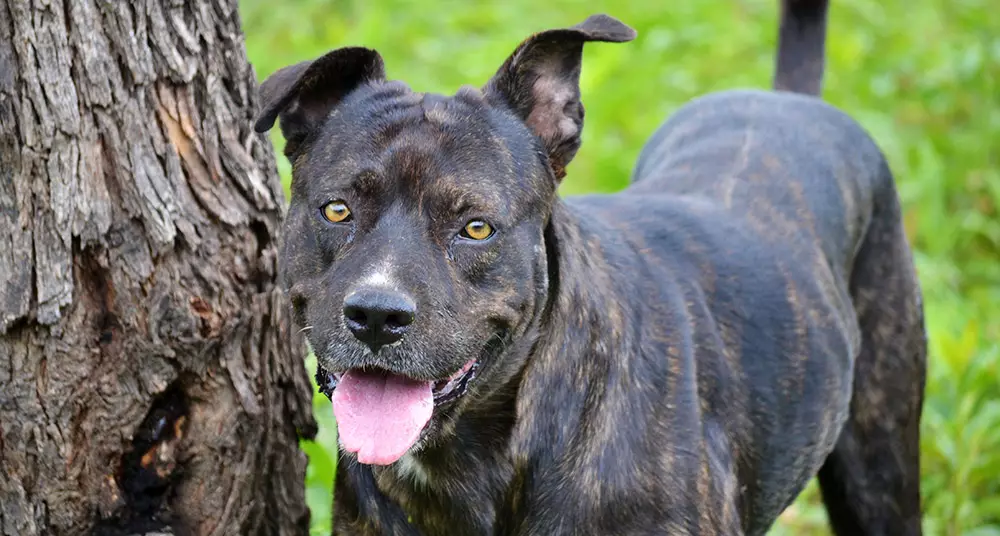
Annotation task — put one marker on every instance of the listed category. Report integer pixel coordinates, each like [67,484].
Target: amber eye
[477,230]
[336,212]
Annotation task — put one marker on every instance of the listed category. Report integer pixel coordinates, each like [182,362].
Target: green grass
[923,77]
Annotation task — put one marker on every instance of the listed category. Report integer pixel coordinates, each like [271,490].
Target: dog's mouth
[380,415]
[444,391]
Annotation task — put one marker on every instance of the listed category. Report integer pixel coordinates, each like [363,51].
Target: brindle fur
[677,358]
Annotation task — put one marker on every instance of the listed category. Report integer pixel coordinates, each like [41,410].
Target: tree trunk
[149,381]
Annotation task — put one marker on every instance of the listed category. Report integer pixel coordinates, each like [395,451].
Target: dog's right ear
[304,94]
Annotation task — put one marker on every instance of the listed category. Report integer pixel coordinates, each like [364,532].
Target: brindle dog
[680,357]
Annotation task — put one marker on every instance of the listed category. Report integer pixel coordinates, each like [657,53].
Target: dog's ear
[303,95]
[540,82]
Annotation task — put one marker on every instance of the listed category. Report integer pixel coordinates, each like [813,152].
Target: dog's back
[785,213]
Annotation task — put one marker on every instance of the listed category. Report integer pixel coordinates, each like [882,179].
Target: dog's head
[414,246]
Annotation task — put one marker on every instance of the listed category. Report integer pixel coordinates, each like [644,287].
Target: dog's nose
[378,317]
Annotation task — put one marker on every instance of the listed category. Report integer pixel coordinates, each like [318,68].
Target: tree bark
[149,378]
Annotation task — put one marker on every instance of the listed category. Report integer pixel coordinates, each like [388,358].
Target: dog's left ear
[540,82]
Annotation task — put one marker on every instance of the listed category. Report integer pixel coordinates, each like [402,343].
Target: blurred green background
[922,77]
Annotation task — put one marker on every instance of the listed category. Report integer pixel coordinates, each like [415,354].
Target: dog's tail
[801,46]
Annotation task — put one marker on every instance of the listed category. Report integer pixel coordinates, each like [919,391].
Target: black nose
[378,317]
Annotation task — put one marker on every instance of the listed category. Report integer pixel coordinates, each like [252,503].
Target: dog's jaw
[445,390]
[402,411]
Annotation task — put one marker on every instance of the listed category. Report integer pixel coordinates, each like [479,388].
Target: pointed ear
[540,83]
[304,94]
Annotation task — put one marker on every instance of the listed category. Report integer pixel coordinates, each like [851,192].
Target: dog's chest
[447,501]
[410,469]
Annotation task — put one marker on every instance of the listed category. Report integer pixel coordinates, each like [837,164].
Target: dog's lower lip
[456,385]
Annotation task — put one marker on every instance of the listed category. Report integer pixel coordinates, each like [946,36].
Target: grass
[922,77]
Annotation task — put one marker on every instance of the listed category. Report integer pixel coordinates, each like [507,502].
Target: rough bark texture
[149,381]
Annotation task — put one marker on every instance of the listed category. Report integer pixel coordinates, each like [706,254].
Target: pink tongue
[380,416]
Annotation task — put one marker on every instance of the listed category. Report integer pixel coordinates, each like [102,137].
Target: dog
[680,357]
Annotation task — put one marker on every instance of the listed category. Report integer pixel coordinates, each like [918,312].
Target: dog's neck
[585,297]
[583,327]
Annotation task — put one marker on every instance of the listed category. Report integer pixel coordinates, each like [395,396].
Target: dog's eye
[477,230]
[336,212]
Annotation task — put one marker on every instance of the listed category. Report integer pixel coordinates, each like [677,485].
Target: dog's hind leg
[871,481]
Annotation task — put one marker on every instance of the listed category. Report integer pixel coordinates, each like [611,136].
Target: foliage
[922,77]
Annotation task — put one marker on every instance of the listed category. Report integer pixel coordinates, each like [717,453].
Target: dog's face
[414,248]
